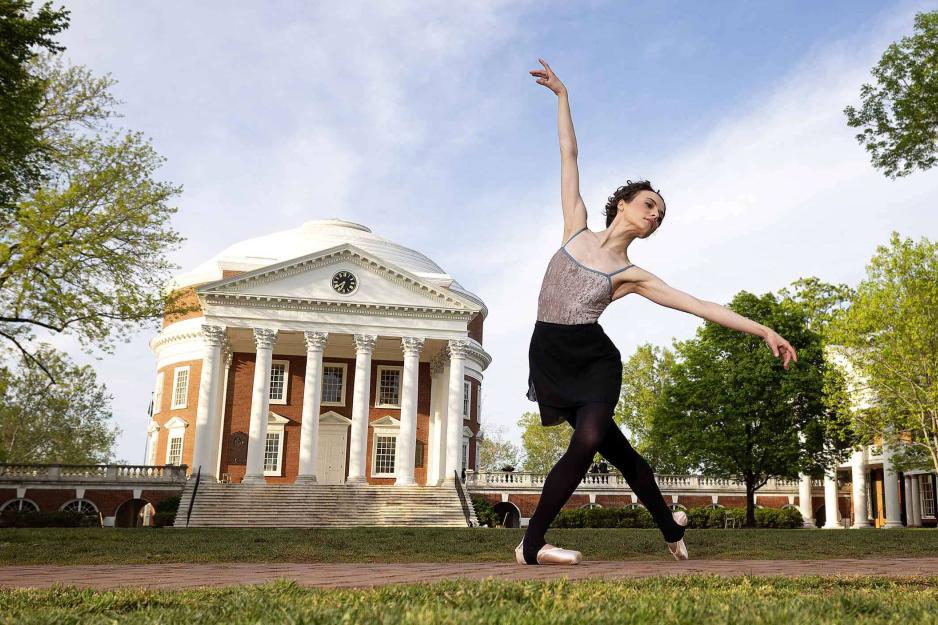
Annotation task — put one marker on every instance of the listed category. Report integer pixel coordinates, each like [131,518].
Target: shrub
[166,509]
[61,518]
[485,512]
[699,518]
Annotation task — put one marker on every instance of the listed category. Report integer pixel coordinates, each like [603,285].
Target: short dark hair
[626,192]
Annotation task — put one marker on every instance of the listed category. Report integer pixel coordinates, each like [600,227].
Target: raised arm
[574,210]
[655,289]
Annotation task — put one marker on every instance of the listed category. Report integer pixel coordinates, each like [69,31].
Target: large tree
[86,253]
[22,34]
[68,422]
[899,114]
[731,410]
[496,451]
[543,446]
[890,337]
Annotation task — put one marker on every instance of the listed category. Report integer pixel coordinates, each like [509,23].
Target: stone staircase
[322,505]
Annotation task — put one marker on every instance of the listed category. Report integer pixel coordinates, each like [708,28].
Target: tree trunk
[750,501]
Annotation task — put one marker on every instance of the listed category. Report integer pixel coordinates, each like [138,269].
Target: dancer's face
[644,212]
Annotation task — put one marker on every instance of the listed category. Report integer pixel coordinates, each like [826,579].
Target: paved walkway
[174,576]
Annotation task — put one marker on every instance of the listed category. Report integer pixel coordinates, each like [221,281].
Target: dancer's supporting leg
[592,421]
[637,472]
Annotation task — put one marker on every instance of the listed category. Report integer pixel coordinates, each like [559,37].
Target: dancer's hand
[777,344]
[548,78]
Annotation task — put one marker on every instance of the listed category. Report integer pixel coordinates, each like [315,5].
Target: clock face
[344,282]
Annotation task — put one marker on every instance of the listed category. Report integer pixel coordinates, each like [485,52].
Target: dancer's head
[640,205]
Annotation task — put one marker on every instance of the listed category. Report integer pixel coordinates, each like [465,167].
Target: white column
[805,505]
[890,491]
[831,510]
[153,431]
[907,492]
[264,339]
[361,400]
[406,447]
[858,468]
[457,367]
[213,338]
[220,401]
[436,435]
[312,400]
[916,502]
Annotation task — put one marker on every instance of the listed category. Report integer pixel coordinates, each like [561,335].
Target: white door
[330,459]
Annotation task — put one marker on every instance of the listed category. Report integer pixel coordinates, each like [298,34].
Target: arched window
[20,505]
[590,506]
[81,506]
[674,507]
[714,506]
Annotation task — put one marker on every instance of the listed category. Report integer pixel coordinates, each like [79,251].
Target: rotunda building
[320,354]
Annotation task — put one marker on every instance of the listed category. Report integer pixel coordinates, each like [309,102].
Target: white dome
[313,236]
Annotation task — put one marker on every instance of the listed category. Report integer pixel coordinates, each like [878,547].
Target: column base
[832,527]
[306,479]
[253,479]
[356,479]
[862,525]
[809,524]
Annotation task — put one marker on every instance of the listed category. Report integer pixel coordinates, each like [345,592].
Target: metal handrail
[462,499]
[195,489]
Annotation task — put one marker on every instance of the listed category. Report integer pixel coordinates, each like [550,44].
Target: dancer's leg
[592,421]
[637,472]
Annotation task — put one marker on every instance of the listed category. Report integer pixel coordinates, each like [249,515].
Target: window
[180,386]
[279,373]
[479,404]
[389,387]
[465,454]
[466,389]
[158,393]
[273,453]
[20,505]
[333,385]
[384,455]
[174,449]
[927,490]
[81,506]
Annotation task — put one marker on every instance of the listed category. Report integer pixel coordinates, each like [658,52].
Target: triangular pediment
[387,421]
[275,419]
[334,417]
[374,282]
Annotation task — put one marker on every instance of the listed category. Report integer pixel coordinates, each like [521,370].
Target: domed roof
[313,236]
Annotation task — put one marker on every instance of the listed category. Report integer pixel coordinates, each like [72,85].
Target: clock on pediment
[344,282]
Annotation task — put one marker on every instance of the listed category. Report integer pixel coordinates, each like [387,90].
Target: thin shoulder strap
[574,234]
[623,269]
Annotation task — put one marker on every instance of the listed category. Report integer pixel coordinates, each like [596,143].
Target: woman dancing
[575,369]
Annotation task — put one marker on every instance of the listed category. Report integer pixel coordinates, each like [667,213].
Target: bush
[13,518]
[485,512]
[699,518]
[170,504]
[166,509]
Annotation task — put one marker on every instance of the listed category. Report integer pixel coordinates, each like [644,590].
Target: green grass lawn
[132,546]
[697,600]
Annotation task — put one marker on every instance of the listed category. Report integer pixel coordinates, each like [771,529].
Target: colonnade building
[321,354]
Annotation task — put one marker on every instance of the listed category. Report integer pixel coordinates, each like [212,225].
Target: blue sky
[420,120]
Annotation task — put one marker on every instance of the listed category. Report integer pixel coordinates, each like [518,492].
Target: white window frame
[158,391]
[385,426]
[344,367]
[80,501]
[185,393]
[175,428]
[286,382]
[275,425]
[467,436]
[466,392]
[400,388]
[479,404]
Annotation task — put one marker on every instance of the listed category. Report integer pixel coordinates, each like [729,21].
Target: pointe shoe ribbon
[679,549]
[549,554]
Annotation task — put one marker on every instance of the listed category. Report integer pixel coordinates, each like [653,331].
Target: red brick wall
[188,413]
[108,501]
[614,501]
[730,501]
[695,501]
[6,494]
[772,501]
[50,500]
[475,328]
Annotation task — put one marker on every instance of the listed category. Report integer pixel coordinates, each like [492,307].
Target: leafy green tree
[899,115]
[821,302]
[22,157]
[732,410]
[890,338]
[86,252]
[497,452]
[543,446]
[67,422]
[645,375]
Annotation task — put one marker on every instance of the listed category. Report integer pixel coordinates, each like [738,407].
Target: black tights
[595,430]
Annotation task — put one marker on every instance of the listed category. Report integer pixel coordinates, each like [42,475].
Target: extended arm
[655,289]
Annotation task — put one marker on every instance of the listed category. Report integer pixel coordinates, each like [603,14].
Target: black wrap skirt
[570,365]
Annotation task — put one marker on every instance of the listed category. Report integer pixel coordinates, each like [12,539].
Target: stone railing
[614,481]
[93,473]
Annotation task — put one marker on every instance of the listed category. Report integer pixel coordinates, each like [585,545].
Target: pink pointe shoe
[548,554]
[678,549]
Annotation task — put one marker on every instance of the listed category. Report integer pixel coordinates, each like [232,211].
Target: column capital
[228,354]
[264,338]
[365,343]
[412,345]
[458,348]
[213,335]
[438,362]
[315,340]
